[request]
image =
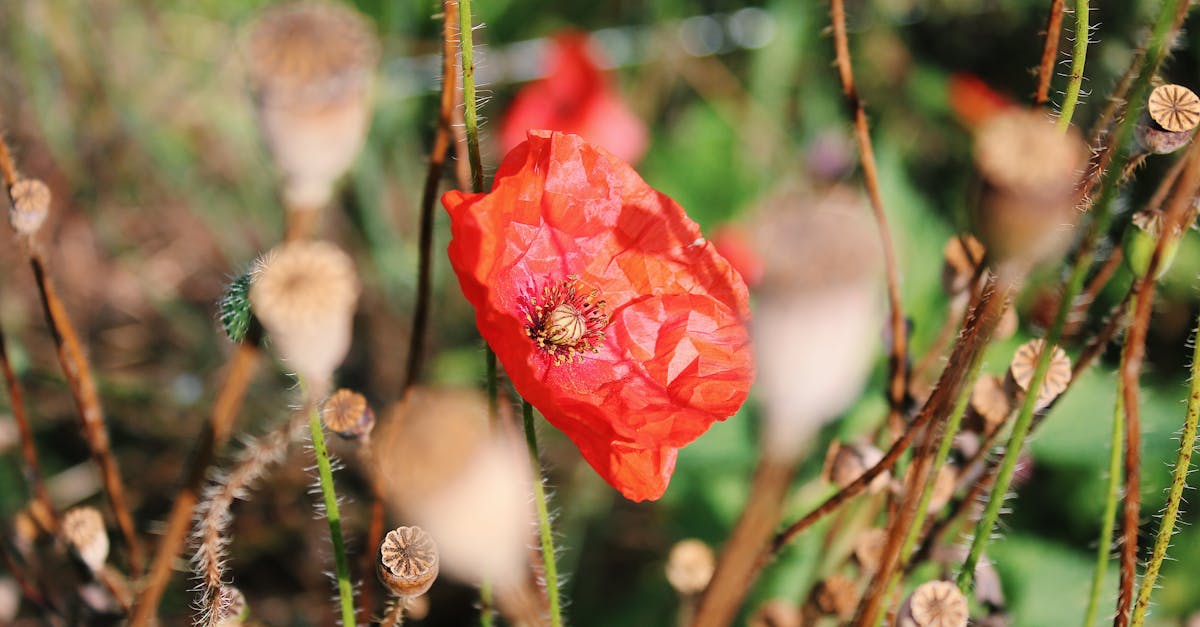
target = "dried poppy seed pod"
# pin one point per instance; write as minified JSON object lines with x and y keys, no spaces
{"x":836,"y":595}
{"x":844,"y":464}
{"x":1029,"y":171}
{"x":30,"y":206}
{"x":961,"y":258}
{"x":1172,"y":114}
{"x":408,"y":562}
{"x":1140,"y":240}
{"x":942,"y":489}
{"x":311,"y":67}
{"x":84,"y":533}
{"x":990,"y":405}
{"x":1024,"y":361}
{"x":232,"y":609}
{"x":868,"y":549}
{"x":690,"y":566}
{"x":347,"y":414}
{"x":304,"y":295}
{"x":934,"y":604}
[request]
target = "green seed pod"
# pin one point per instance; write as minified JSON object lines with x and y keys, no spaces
{"x":1140,"y":240}
{"x":235,"y":308}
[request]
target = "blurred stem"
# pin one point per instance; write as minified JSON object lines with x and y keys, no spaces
{"x":1108,"y":519}
{"x":543,"y":514}
{"x":329,"y":492}
{"x":487,"y":605}
{"x":470,"y":117}
{"x":1183,"y":462}
{"x":1078,"y":59}
{"x":41,"y":507}
{"x":1049,"y":53}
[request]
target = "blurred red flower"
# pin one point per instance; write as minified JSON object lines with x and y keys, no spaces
{"x":609,"y":311}
{"x":575,"y":97}
{"x":974,"y":101}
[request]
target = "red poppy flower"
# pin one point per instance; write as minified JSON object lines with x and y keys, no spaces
{"x":974,"y":101}
{"x":575,"y":97}
{"x":609,"y":311}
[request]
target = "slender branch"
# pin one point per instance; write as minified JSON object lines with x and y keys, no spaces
{"x":543,"y":513}
{"x":216,"y":434}
{"x":433,"y":177}
{"x":83,"y":389}
{"x":1183,"y":462}
{"x":1045,"y":72}
{"x":1078,"y":59}
{"x":898,"y":359}
{"x":8,"y":168}
{"x":329,"y":492}
{"x":33,"y":475}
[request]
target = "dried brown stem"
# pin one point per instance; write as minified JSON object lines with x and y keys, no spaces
{"x":1049,"y":53}
{"x":737,"y":564}
{"x":43,"y":509}
{"x":216,"y":434}
{"x":898,"y":359}
{"x":83,"y":389}
{"x":8,"y":169}
{"x":375,"y":531}
{"x":300,"y":224}
{"x":28,"y":589}
{"x":1134,"y":353}
{"x":450,"y":99}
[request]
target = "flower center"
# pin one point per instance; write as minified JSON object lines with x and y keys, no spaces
{"x":564,"y":321}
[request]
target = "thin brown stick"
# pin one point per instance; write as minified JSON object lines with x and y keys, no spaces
{"x":216,"y":434}
{"x":719,"y":603}
{"x":8,"y":169}
{"x":451,"y":96}
{"x":83,"y":389}
{"x":43,"y":509}
{"x":898,"y":358}
{"x":1134,"y":353}
{"x":375,"y":532}
{"x":1049,"y":53}
{"x":28,"y":589}
{"x":300,"y":224}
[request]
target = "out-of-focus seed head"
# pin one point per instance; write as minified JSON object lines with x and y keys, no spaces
{"x":408,"y":561}
{"x":845,"y":463}
{"x":868,"y":549}
{"x":30,"y":206}
{"x":961,"y":258}
{"x":1141,"y":238}
{"x":348,"y":414}
{"x":311,"y":67}
{"x":690,"y":566}
{"x":990,"y":405}
{"x":777,"y":613}
{"x":837,"y":596}
{"x":942,"y":489}
{"x":1029,"y":172}
{"x":934,"y":604}
{"x":305,"y":296}
{"x":85,"y":536}
{"x":1024,"y":361}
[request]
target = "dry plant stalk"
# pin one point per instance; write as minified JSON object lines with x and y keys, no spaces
{"x":1045,"y":72}
{"x":42,"y":508}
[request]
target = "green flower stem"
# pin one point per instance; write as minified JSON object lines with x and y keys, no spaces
{"x":1187,"y":442}
{"x":470,"y":117}
{"x":543,"y":514}
{"x":1109,"y":519}
{"x":325,"y":471}
{"x":487,"y":612}
{"x":1079,"y":57}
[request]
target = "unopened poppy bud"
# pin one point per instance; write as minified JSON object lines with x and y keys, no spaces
{"x":30,"y":205}
{"x":1058,"y":376}
{"x":304,"y":295}
{"x":690,"y":566}
{"x":934,"y":604}
{"x":408,"y":562}
{"x":844,"y":464}
{"x":1172,"y":114}
{"x":1140,"y":240}
{"x":311,"y":67}
{"x":84,"y":533}
{"x":347,"y":414}
{"x":232,"y":609}
{"x":961,"y":258}
{"x":836,"y":596}
{"x":1029,"y":172}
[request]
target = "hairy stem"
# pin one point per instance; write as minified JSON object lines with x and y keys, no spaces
{"x":470,"y":116}
{"x":543,"y":514}
{"x":1078,"y":59}
{"x":329,"y":492}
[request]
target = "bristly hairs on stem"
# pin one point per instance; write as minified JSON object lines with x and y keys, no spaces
{"x":1079,"y":58}
{"x":546,"y":533}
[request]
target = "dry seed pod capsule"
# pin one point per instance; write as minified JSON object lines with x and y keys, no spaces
{"x":1029,"y":171}
{"x":961,"y":258}
{"x":837,"y":596}
{"x":311,"y":66}
{"x":408,"y":562}
{"x":777,"y":613}
{"x":868,"y":549}
{"x":690,"y":566}
{"x":30,"y":206}
{"x":304,"y":295}
{"x":990,"y":405}
{"x":844,"y":464}
{"x":347,"y":414}
{"x":1020,"y":372}
{"x":1140,"y":240}
{"x":1172,"y":114}
{"x":934,"y":604}
{"x":84,"y":533}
